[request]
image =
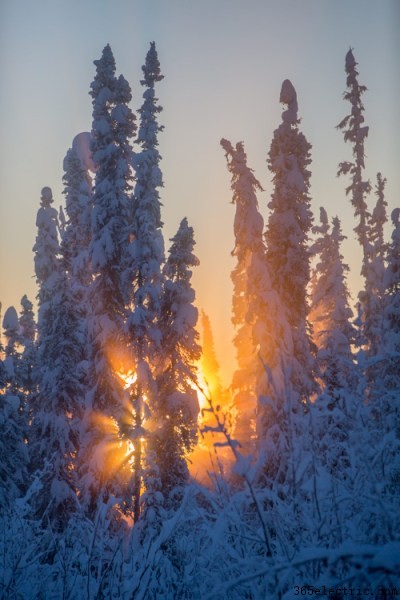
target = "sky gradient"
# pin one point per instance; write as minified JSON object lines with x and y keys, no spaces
{"x":224,"y":62}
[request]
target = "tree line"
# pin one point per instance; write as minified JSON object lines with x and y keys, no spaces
{"x":99,"y":397}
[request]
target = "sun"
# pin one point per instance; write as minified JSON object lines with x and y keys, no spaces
{"x":113,"y":456}
{"x":204,"y":460}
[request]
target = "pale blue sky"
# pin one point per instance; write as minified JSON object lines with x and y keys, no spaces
{"x":223,"y":61}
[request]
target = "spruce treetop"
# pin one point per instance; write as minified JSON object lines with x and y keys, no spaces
{"x":10,"y":323}
{"x":112,"y":129}
{"x":147,"y":206}
{"x":324,"y":223}
{"x":149,"y":128}
{"x":46,"y":246}
{"x":46,"y":197}
{"x":355,"y":132}
{"x":353,"y":95}
{"x":237,"y":165}
{"x":291,"y":218}
{"x":105,"y":74}
{"x":248,"y":224}
{"x":77,"y":192}
{"x":27,"y":320}
{"x":351,"y":124}
{"x":288,"y":96}
{"x":151,"y":68}
{"x":181,"y":253}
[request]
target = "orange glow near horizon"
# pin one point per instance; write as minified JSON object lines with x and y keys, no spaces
{"x":114,"y":455}
{"x":205,"y":459}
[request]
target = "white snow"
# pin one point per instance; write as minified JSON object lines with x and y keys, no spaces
{"x":81,"y":144}
{"x":10,"y":320}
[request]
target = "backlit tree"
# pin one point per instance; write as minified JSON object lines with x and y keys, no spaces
{"x":330,"y":314}
{"x":28,"y":361}
{"x":287,"y":235}
{"x":355,"y":132}
{"x":13,"y":415}
{"x":177,"y":405}
{"x":334,"y":336}
{"x":57,"y":404}
{"x":113,"y":127}
{"x":374,"y":290}
{"x":147,"y":254}
{"x":248,"y":230}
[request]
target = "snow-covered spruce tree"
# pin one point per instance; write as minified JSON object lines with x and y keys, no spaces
{"x":75,"y":243}
{"x":12,"y":354}
{"x":391,"y":282}
{"x":27,"y":320}
{"x":330,"y":313}
{"x":113,"y":127}
{"x":147,"y":251}
{"x":276,"y":405}
{"x":334,"y":335}
{"x":77,"y":234}
{"x":13,"y":419}
{"x":355,"y":132}
{"x":176,"y":404}
{"x":47,"y":268}
{"x":46,"y":257}
{"x":28,"y":360}
{"x":377,"y":222}
{"x":57,"y":422}
{"x":248,"y":230}
{"x":287,"y":236}
{"x":277,"y":426}
{"x":57,"y":404}
{"x":387,"y":383}
{"x":382,"y":411}
{"x":373,"y":294}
